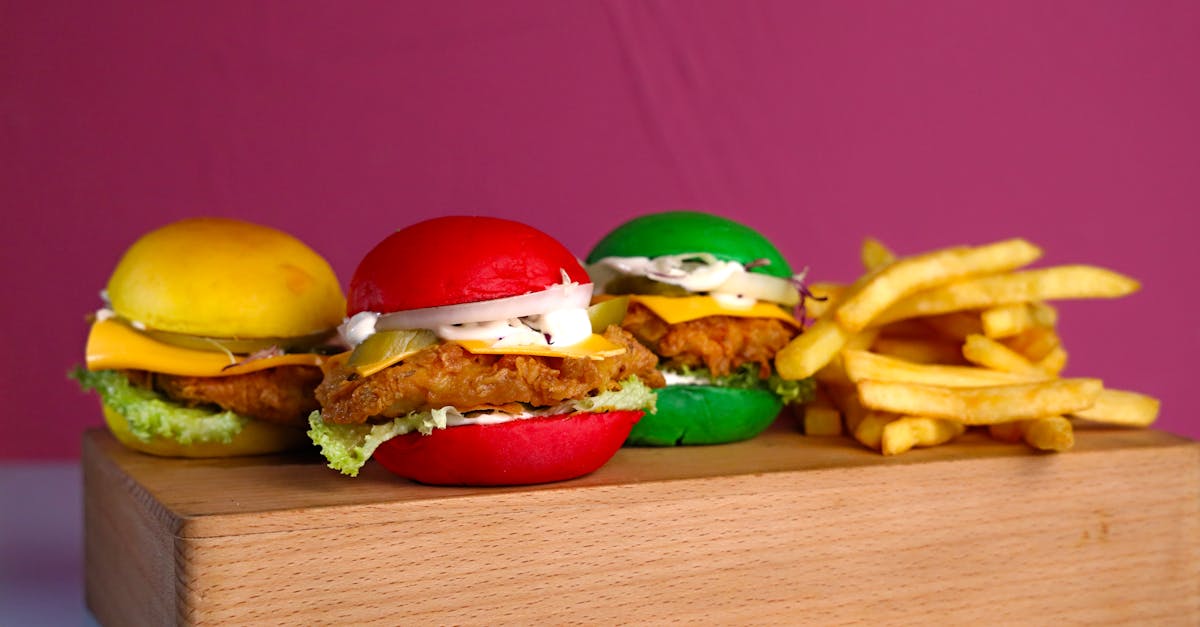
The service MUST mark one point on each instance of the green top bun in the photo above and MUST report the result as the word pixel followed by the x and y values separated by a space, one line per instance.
pixel 681 232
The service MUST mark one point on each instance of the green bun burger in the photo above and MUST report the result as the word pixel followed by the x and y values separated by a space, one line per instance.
pixel 676 232
pixel 714 299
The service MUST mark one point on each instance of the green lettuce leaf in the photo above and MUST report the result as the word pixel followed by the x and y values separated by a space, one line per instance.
pixel 746 378
pixel 790 391
pixel 150 415
pixel 348 447
pixel 632 395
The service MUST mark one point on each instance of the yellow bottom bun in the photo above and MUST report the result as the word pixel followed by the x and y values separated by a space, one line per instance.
pixel 256 438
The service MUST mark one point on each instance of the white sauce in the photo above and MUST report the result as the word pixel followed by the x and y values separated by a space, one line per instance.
pixel 358 327
pixel 456 419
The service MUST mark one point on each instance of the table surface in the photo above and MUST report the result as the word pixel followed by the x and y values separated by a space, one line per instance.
pixel 41 545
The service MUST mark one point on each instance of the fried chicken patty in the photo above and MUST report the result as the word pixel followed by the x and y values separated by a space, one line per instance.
pixel 448 375
pixel 720 343
pixel 282 395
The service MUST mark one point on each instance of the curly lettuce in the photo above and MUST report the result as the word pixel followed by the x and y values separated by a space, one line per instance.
pixel 746 378
pixel 150 415
pixel 632 395
pixel 348 447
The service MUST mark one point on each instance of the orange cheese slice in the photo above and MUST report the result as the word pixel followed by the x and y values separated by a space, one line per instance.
pixel 594 347
pixel 112 345
pixel 676 309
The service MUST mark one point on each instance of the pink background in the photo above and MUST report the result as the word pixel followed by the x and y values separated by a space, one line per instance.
pixel 1074 124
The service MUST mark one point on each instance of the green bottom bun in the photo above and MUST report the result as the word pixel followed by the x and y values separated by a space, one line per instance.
pixel 256 438
pixel 705 414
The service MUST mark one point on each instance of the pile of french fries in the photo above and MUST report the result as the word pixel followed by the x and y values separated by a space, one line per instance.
pixel 921 348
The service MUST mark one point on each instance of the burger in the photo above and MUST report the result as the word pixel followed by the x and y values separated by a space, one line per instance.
pixel 477 361
pixel 715 300
pixel 211 339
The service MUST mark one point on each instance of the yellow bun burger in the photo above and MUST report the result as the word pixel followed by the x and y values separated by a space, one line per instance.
pixel 211 340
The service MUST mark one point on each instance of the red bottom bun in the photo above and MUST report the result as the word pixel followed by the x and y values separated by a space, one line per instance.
pixel 521 452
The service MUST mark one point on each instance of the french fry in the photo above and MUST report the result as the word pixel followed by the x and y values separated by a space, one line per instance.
pixel 826 296
pixel 1119 407
pixel 1006 431
pixel 1044 314
pixel 821 417
pixel 875 255
pixel 1054 362
pixel 890 348
pixel 1049 434
pixel 869 431
pixel 910 275
pixel 812 350
pixel 862 340
pixel 1006 320
pixel 1053 433
pixel 918 350
pixel 955 325
pixel 981 406
pixel 907 432
pixel 1059 282
pixel 826 289
pixel 846 400
pixel 912 328
pixel 834 373
pixel 819 344
pixel 1034 343
pixel 862 366
pixel 989 353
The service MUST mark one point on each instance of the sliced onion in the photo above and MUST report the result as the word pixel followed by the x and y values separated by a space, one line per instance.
pixel 761 287
pixel 695 272
pixel 555 297
pixel 711 275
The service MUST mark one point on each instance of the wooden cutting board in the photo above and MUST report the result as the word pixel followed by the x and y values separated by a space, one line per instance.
pixel 780 529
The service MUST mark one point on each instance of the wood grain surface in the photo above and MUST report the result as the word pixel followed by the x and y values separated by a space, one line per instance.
pixel 782 529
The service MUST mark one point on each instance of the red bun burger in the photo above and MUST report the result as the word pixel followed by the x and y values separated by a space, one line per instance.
pixel 476 360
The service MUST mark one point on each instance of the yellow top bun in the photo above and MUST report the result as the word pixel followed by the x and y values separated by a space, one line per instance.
pixel 219 277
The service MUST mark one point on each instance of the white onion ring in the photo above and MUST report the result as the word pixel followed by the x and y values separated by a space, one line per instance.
pixel 715 276
pixel 761 287
pixel 555 297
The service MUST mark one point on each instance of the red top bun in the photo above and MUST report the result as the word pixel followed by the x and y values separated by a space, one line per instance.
pixel 458 259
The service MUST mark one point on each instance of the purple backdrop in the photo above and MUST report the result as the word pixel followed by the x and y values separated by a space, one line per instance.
pixel 1074 124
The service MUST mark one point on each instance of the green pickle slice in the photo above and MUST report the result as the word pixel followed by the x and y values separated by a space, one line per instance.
pixel 237 345
pixel 390 345
pixel 632 284
pixel 607 313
